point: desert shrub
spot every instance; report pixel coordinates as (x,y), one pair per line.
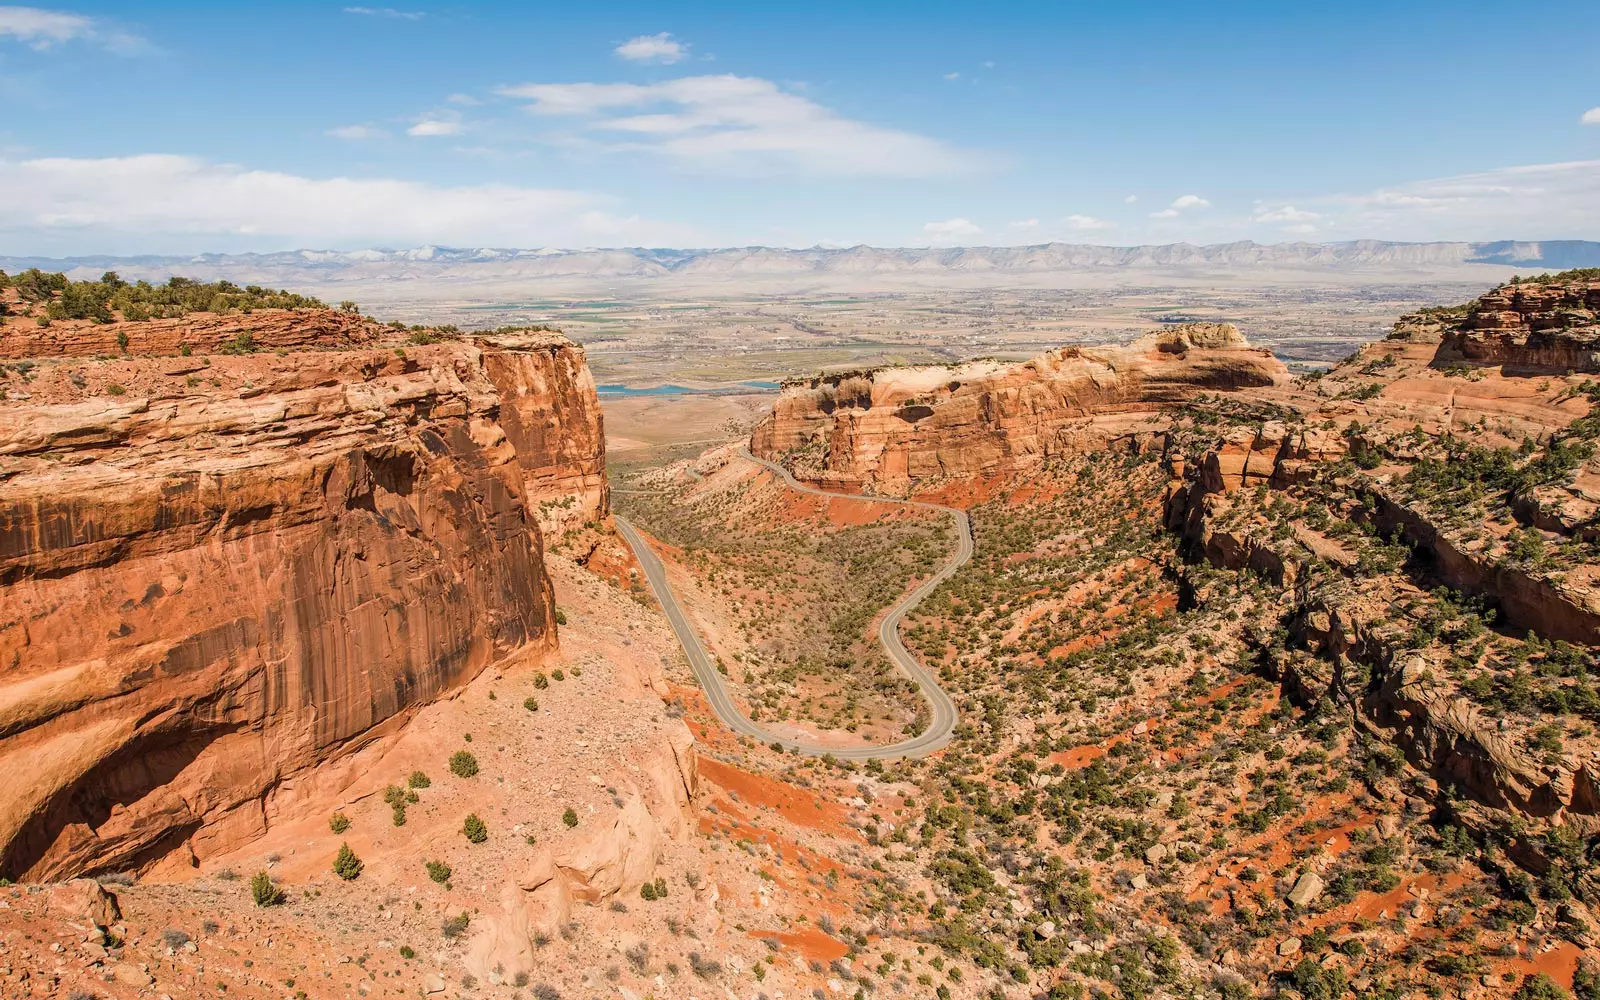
(338,822)
(263,891)
(570,817)
(463,764)
(174,938)
(557,674)
(454,927)
(1539,987)
(540,681)
(407,952)
(347,866)
(474,829)
(531,704)
(418,780)
(439,871)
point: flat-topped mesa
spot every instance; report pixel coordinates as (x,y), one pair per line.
(1549,324)
(888,427)
(219,572)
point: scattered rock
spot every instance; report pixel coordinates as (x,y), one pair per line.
(131,975)
(1306,890)
(1289,946)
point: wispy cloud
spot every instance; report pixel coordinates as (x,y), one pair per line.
(357,132)
(181,199)
(435,127)
(661,48)
(952,76)
(1180,204)
(1285,213)
(41,29)
(741,125)
(390,12)
(1086,223)
(951,231)
(1591,117)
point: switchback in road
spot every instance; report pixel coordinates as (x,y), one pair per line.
(942,711)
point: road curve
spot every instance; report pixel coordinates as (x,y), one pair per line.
(942,711)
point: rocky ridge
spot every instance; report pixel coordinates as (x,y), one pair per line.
(888,428)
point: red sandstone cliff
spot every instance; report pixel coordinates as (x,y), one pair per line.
(218,572)
(891,426)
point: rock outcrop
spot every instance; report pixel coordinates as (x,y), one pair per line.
(551,415)
(612,860)
(1532,327)
(888,427)
(218,572)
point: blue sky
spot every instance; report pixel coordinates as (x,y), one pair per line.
(184,127)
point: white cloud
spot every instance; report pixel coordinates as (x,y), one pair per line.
(402,15)
(950,231)
(1179,204)
(1086,223)
(1537,201)
(356,132)
(182,202)
(1130,199)
(952,76)
(740,125)
(1591,117)
(662,48)
(1023,224)
(465,100)
(434,127)
(1286,213)
(40,29)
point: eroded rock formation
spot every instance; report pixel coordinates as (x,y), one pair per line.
(888,427)
(217,572)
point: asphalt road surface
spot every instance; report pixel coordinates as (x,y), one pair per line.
(942,711)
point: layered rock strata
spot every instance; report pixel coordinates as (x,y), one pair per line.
(217,573)
(888,427)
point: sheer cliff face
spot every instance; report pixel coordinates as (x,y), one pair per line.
(217,573)
(890,427)
(549,411)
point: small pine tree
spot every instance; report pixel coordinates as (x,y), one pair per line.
(475,829)
(439,871)
(264,892)
(338,822)
(463,764)
(347,866)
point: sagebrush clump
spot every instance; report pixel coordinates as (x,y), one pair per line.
(463,764)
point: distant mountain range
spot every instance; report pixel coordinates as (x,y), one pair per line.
(485,268)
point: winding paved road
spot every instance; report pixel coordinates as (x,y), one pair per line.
(942,722)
